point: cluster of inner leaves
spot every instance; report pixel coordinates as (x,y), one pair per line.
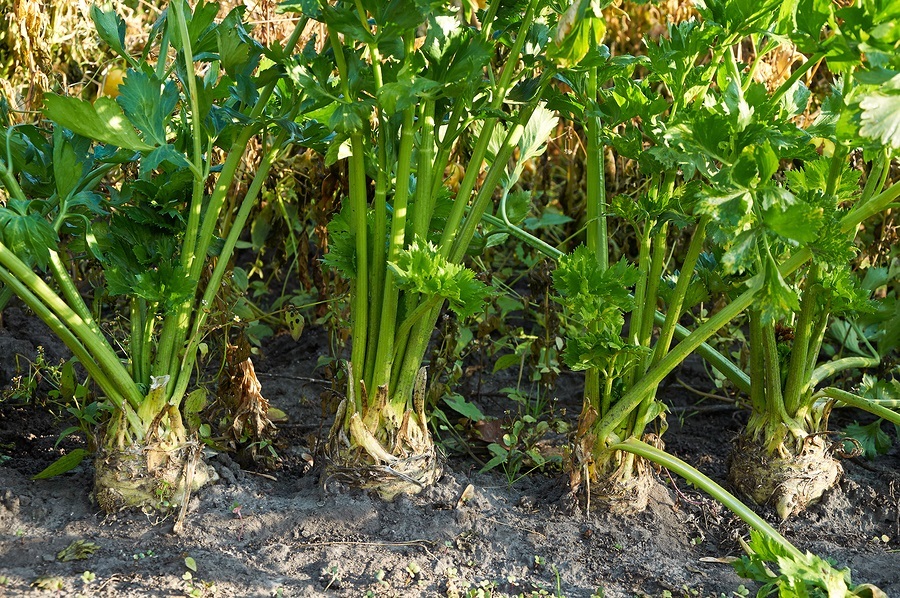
(596,301)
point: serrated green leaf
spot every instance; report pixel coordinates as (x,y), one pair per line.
(604,350)
(67,168)
(741,253)
(537,130)
(148,103)
(67,462)
(102,121)
(777,299)
(798,222)
(730,208)
(342,246)
(26,234)
(871,437)
(233,51)
(423,269)
(111,28)
(579,29)
(398,96)
(164,153)
(880,119)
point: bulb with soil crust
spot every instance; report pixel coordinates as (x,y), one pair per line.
(155,471)
(613,481)
(789,474)
(381,447)
(148,476)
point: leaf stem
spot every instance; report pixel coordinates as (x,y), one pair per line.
(860,403)
(697,478)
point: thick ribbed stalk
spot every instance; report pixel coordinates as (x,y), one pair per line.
(448,242)
(176,323)
(680,292)
(136,342)
(679,353)
(819,327)
(445,143)
(829,369)
(492,179)
(424,202)
(797,382)
(596,189)
(757,364)
(182,375)
(70,292)
(865,210)
(596,216)
(384,356)
(359,285)
(860,403)
(97,345)
(196,205)
(657,261)
(417,343)
(674,311)
(772,365)
(635,325)
(358,208)
(724,365)
(378,265)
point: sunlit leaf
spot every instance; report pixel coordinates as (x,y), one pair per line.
(881,118)
(103,121)
(111,28)
(423,269)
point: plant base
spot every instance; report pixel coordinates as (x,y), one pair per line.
(148,477)
(625,490)
(354,456)
(624,496)
(788,480)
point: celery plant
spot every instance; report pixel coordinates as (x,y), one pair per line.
(131,187)
(712,148)
(783,456)
(596,294)
(401,85)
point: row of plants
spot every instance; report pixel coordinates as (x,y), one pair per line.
(749,197)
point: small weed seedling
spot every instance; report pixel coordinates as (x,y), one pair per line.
(236,509)
(196,588)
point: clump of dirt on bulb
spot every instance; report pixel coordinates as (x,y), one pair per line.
(788,479)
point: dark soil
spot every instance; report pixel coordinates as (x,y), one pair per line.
(291,533)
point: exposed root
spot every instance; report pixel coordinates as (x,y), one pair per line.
(396,456)
(358,459)
(622,487)
(404,476)
(788,480)
(624,495)
(148,477)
